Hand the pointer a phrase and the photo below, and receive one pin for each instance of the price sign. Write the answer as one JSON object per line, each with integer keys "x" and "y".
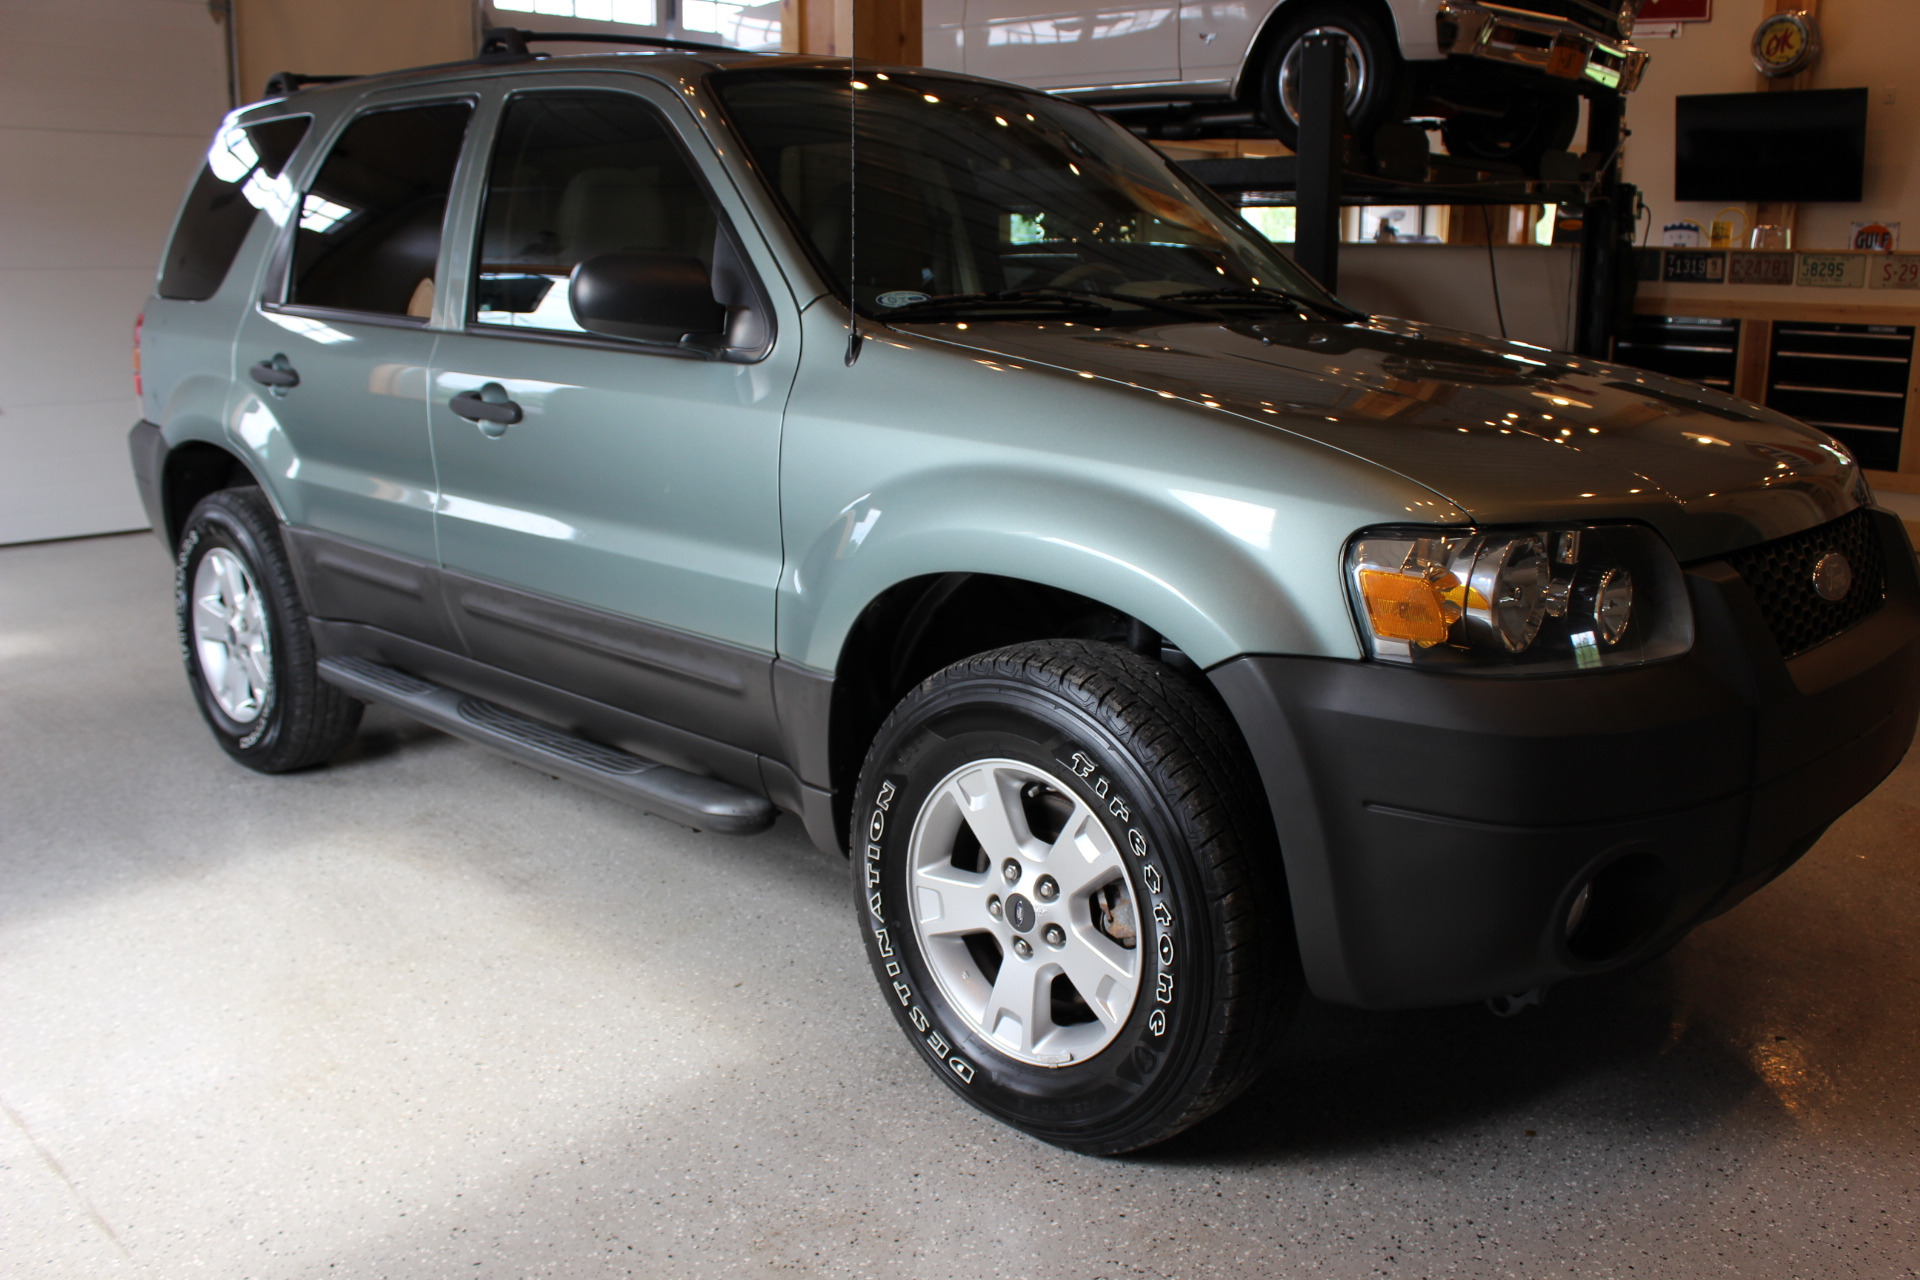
{"x": 1832, "y": 271}
{"x": 1760, "y": 268}
{"x": 1695, "y": 266}
{"x": 1895, "y": 271}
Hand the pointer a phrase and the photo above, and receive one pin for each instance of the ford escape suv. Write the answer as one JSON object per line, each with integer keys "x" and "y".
{"x": 926, "y": 458}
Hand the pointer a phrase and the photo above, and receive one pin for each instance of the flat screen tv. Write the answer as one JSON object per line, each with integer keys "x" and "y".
{"x": 1807, "y": 146}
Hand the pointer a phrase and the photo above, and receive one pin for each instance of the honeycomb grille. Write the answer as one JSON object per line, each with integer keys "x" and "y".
{"x": 1781, "y": 576}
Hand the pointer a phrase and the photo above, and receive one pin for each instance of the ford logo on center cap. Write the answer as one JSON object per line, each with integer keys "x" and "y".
{"x": 1833, "y": 577}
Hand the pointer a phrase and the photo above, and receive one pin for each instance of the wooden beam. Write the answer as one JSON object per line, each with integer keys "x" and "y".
{"x": 884, "y": 31}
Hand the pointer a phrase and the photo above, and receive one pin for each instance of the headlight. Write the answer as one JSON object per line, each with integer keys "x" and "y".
{"x": 1519, "y": 601}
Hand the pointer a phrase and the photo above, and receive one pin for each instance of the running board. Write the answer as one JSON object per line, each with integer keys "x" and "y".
{"x": 705, "y": 804}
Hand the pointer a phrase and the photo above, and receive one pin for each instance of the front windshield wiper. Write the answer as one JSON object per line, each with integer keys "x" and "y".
{"x": 1261, "y": 294}
{"x": 1061, "y": 301}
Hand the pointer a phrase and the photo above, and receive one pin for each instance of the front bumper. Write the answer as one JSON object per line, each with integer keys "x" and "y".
{"x": 1540, "y": 43}
{"x": 1437, "y": 829}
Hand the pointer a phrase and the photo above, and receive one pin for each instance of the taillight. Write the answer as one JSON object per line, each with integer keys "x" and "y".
{"x": 139, "y": 320}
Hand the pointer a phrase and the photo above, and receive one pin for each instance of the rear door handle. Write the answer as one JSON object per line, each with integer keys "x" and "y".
{"x": 489, "y": 406}
{"x": 277, "y": 373}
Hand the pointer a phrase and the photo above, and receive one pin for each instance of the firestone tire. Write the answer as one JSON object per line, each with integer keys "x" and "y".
{"x": 1071, "y": 895}
{"x": 244, "y": 638}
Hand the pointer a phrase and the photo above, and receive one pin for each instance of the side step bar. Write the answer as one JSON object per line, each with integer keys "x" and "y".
{"x": 705, "y": 804}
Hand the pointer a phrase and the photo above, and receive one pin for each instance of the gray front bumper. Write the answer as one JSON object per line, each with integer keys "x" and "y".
{"x": 1551, "y": 46}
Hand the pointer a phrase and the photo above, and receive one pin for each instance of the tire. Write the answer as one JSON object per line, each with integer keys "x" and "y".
{"x": 1531, "y": 123}
{"x": 243, "y": 635}
{"x": 1117, "y": 1043}
{"x": 1376, "y": 78}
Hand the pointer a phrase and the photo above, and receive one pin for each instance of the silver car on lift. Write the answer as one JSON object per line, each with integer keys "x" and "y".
{"x": 1506, "y": 79}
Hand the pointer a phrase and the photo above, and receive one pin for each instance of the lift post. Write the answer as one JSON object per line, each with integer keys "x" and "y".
{"x": 1323, "y": 155}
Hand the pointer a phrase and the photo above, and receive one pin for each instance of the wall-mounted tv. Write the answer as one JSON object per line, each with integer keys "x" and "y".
{"x": 1807, "y": 146}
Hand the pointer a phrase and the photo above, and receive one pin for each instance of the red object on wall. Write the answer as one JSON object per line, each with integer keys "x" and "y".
{"x": 1677, "y": 11}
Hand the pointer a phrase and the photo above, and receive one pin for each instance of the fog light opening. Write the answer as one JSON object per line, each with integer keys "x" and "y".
{"x": 1617, "y": 910}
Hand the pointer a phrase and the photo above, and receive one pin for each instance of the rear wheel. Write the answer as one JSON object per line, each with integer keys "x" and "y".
{"x": 243, "y": 633}
{"x": 1518, "y": 129}
{"x": 1071, "y": 895}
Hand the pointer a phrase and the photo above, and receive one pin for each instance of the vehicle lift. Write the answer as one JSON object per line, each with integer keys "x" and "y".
{"x": 1323, "y": 177}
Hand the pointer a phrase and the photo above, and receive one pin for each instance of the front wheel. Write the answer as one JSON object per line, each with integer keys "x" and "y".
{"x": 1071, "y": 896}
{"x": 1519, "y": 128}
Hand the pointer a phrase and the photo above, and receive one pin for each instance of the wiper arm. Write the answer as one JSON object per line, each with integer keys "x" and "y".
{"x": 1050, "y": 299}
{"x": 1261, "y": 293}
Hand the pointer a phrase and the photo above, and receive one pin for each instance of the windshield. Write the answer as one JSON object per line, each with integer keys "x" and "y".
{"x": 974, "y": 196}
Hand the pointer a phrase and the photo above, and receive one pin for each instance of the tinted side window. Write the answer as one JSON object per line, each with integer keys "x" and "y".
{"x": 369, "y": 236}
{"x": 240, "y": 178}
{"x": 575, "y": 175}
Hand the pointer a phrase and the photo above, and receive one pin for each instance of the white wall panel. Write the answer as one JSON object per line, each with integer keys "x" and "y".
{"x": 104, "y": 107}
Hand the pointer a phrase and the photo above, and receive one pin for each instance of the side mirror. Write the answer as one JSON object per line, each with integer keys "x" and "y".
{"x": 658, "y": 297}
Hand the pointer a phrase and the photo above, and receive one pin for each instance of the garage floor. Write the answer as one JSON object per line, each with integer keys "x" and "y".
{"x": 426, "y": 1013}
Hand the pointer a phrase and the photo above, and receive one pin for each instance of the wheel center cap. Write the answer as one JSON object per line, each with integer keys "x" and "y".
{"x": 1020, "y": 913}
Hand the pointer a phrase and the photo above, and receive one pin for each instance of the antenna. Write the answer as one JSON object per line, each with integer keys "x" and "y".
{"x": 853, "y": 189}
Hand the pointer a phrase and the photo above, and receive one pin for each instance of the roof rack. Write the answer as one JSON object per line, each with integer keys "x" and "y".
{"x": 505, "y": 44}
{"x": 282, "y": 83}
{"x": 513, "y": 41}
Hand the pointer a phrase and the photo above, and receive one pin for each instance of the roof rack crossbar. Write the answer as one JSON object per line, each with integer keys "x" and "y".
{"x": 513, "y": 41}
{"x": 282, "y": 83}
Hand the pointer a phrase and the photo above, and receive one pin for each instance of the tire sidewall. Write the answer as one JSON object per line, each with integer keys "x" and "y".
{"x": 1383, "y": 74}
{"x": 1143, "y": 1069}
{"x": 216, "y": 523}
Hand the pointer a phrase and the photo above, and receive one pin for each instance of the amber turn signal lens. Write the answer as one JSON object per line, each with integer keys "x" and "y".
{"x": 1404, "y": 608}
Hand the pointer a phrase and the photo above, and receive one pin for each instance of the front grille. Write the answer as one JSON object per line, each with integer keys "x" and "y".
{"x": 1781, "y": 576}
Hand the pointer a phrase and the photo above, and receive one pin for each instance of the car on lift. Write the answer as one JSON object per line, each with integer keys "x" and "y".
{"x": 928, "y": 458}
{"x": 1505, "y": 79}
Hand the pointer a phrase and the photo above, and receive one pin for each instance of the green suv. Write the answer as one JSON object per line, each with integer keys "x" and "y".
{"x": 927, "y": 458}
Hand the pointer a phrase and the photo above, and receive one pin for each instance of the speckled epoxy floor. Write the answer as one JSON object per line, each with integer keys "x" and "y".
{"x": 428, "y": 1014}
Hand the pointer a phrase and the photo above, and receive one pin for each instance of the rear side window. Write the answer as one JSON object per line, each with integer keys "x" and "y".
{"x": 240, "y": 178}
{"x": 369, "y": 234}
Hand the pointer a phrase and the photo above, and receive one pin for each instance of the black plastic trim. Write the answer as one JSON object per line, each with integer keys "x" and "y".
{"x": 639, "y": 734}
{"x": 1435, "y": 828}
{"x": 690, "y": 799}
{"x": 149, "y": 450}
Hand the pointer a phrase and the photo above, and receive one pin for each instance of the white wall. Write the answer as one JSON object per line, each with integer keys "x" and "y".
{"x": 105, "y": 108}
{"x": 1453, "y": 285}
{"x": 1869, "y": 43}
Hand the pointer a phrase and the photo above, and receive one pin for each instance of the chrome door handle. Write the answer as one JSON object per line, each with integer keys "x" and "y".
{"x": 489, "y": 407}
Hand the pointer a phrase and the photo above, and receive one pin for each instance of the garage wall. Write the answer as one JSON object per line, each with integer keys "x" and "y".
{"x": 1868, "y": 43}
{"x": 105, "y": 109}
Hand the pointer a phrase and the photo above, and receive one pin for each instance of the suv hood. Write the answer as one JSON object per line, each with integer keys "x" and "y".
{"x": 1506, "y": 431}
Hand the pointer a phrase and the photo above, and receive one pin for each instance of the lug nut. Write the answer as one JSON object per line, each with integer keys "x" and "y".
{"x": 1022, "y": 948}
{"x": 1055, "y": 935}
{"x": 1011, "y": 871}
{"x": 1046, "y": 890}
{"x": 994, "y": 908}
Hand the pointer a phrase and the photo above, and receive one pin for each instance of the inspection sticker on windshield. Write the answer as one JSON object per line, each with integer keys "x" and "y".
{"x": 900, "y": 298}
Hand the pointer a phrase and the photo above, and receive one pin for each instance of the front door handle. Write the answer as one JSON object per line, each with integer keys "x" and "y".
{"x": 489, "y": 406}
{"x": 277, "y": 373}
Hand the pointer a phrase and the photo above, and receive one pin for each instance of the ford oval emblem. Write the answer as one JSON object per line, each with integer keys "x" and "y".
{"x": 1833, "y": 577}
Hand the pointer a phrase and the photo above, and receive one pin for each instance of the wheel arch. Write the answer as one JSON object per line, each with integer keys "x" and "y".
{"x": 193, "y": 469}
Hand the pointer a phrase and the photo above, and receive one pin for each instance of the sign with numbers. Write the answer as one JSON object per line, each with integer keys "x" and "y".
{"x": 1760, "y": 268}
{"x": 1832, "y": 271}
{"x": 1895, "y": 271}
{"x": 1695, "y": 266}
